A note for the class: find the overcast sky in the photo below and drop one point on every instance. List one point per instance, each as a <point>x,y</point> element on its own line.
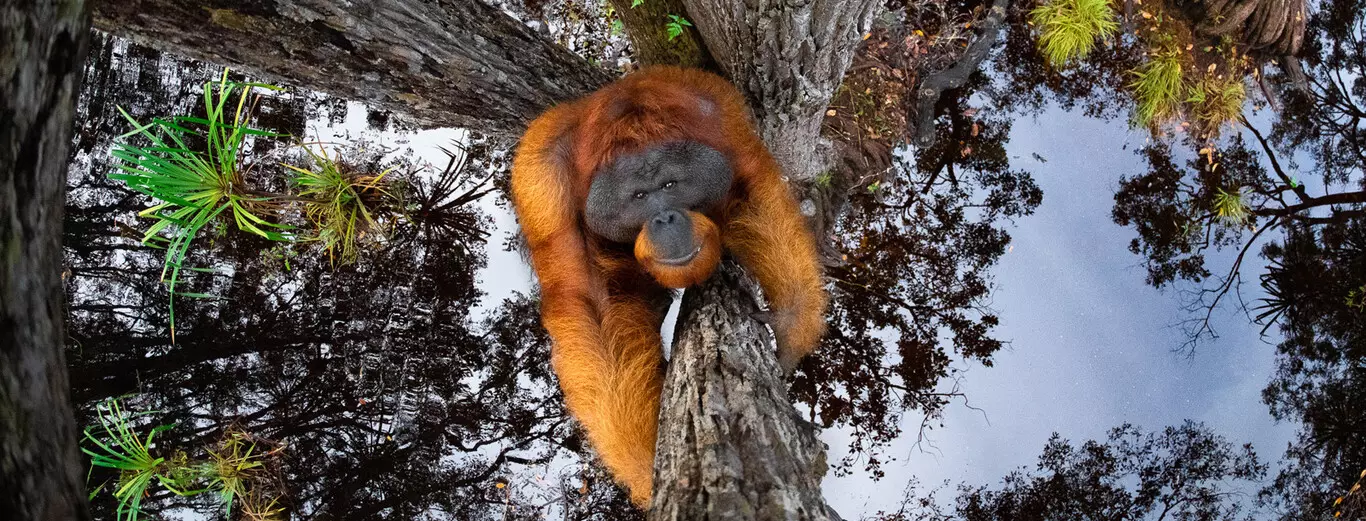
<point>1091,346</point>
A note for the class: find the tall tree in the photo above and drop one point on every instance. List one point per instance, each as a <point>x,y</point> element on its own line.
<point>40,73</point>
<point>461,64</point>
<point>1317,286</point>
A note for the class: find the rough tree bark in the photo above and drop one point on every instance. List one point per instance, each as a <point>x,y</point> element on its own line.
<point>44,46</point>
<point>457,63</point>
<point>731,446</point>
<point>789,57</point>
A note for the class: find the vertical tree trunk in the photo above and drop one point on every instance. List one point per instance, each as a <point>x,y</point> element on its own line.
<point>731,446</point>
<point>788,57</point>
<point>647,25</point>
<point>459,63</point>
<point>44,47</point>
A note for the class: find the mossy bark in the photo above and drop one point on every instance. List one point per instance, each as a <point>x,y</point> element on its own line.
<point>647,26</point>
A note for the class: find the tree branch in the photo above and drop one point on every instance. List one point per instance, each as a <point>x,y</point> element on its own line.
<point>927,96</point>
<point>1224,287</point>
<point>456,63</point>
<point>1275,165</point>
<point>1314,202</point>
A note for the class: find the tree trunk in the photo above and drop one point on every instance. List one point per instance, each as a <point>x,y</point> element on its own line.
<point>788,57</point>
<point>44,47</point>
<point>647,25</point>
<point>458,63</point>
<point>731,446</point>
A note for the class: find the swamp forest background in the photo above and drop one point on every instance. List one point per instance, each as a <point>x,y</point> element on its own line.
<point>1067,304</point>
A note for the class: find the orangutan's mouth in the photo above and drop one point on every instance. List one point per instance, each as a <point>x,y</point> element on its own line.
<point>681,260</point>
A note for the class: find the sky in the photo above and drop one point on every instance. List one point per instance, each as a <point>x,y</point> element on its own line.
<point>1091,345</point>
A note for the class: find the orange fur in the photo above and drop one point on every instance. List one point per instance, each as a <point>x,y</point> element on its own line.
<point>692,273</point>
<point>603,303</point>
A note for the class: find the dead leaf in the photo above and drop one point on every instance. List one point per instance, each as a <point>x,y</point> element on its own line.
<point>830,113</point>
<point>975,129</point>
<point>965,151</point>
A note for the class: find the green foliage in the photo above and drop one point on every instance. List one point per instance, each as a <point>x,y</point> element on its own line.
<point>1217,101</point>
<point>125,452</point>
<point>1159,87</point>
<point>194,185</point>
<point>636,3</point>
<point>676,25</point>
<point>230,470</point>
<point>824,179</point>
<point>1230,206</point>
<point>335,203</point>
<point>194,169</point>
<point>1069,29</point>
<point>1356,298</point>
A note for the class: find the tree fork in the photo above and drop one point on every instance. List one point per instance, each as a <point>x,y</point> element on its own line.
<point>788,58</point>
<point>923,129</point>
